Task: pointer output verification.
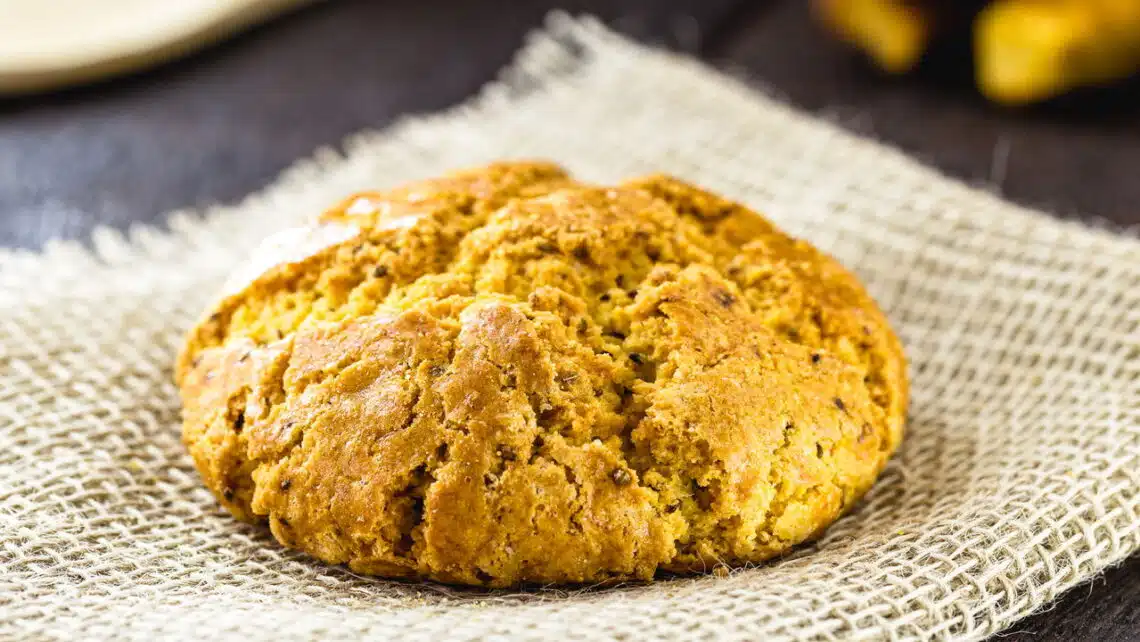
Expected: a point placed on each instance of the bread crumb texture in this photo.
(505, 376)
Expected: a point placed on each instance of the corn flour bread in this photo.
(505, 376)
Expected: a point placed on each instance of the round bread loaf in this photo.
(506, 376)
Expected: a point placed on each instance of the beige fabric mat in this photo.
(1020, 477)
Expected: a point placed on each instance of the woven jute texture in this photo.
(1019, 478)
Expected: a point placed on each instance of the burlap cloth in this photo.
(1020, 476)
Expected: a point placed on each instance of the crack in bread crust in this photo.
(508, 377)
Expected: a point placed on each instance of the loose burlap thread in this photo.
(1018, 479)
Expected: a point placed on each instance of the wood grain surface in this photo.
(223, 123)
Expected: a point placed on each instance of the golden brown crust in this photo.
(505, 376)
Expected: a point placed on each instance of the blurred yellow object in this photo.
(893, 32)
(1029, 50)
(1025, 51)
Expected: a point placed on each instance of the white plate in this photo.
(46, 44)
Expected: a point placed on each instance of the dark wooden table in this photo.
(223, 123)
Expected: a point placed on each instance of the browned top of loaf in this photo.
(505, 376)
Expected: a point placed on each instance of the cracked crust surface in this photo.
(505, 376)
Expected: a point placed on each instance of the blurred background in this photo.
(113, 112)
